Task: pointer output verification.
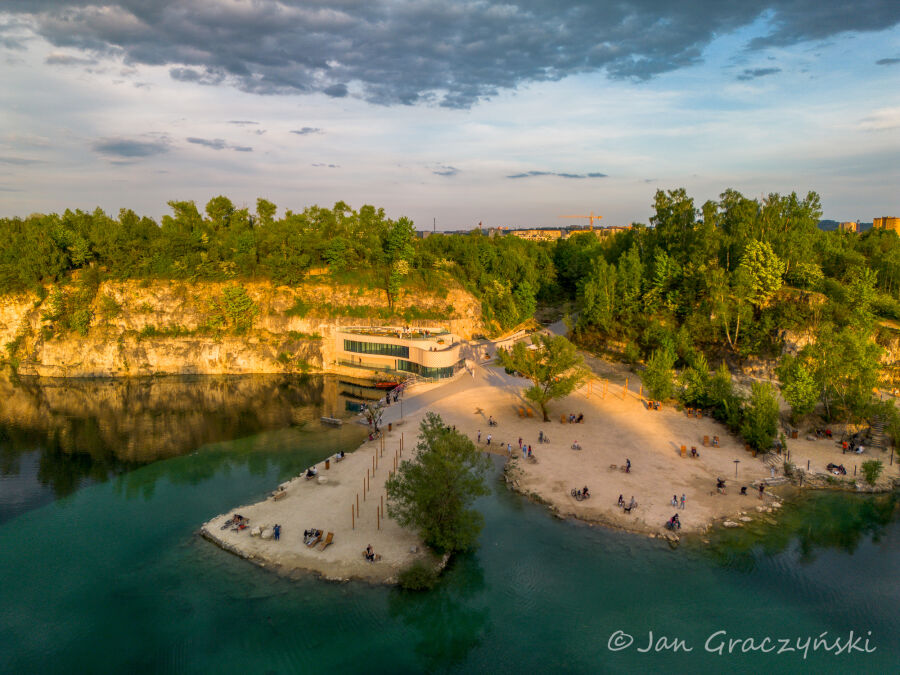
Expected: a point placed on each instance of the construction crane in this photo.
(590, 218)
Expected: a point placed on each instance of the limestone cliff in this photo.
(134, 328)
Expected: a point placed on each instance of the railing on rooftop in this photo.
(396, 333)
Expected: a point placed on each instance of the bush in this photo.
(872, 470)
(299, 308)
(418, 577)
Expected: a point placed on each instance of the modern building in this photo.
(887, 223)
(428, 353)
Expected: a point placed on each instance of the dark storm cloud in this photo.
(218, 144)
(887, 62)
(129, 148)
(306, 131)
(753, 73)
(410, 51)
(533, 174)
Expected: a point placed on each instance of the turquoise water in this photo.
(113, 578)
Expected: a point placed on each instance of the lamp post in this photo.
(736, 462)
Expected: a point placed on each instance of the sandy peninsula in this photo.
(617, 427)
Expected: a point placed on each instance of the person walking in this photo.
(488, 439)
(524, 451)
(683, 497)
(627, 465)
(520, 442)
(762, 486)
(509, 448)
(674, 500)
(479, 436)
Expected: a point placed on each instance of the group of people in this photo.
(583, 493)
(369, 553)
(675, 500)
(674, 523)
(652, 405)
(311, 536)
(573, 419)
(629, 507)
(837, 469)
(237, 522)
(311, 472)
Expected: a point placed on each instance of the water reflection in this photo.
(57, 435)
(815, 521)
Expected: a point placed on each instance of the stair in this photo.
(876, 433)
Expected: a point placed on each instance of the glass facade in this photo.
(424, 371)
(376, 348)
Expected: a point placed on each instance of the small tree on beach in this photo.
(432, 493)
(552, 364)
(658, 376)
(760, 416)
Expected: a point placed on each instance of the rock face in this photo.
(172, 327)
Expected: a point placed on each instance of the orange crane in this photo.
(591, 218)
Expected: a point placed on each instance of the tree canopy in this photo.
(552, 364)
(433, 492)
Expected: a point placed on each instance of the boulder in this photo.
(266, 533)
(322, 480)
(731, 523)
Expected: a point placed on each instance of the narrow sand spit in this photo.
(616, 428)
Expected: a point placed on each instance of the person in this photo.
(479, 435)
(715, 441)
(489, 439)
(370, 553)
(627, 465)
(621, 502)
(491, 421)
(508, 449)
(744, 490)
(683, 497)
(520, 442)
(762, 486)
(580, 418)
(524, 451)
(674, 500)
(631, 505)
(311, 471)
(694, 452)
(676, 522)
(585, 493)
(529, 451)
(720, 485)
(277, 532)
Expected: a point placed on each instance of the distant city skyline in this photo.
(505, 114)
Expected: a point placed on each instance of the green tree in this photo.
(433, 492)
(760, 422)
(658, 377)
(872, 470)
(798, 386)
(397, 251)
(553, 365)
(764, 272)
(598, 297)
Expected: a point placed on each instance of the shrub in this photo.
(418, 577)
(299, 308)
(872, 470)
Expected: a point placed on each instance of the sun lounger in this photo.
(683, 451)
(528, 412)
(328, 540)
(279, 494)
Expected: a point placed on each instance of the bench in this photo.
(280, 494)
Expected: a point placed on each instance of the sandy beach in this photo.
(617, 427)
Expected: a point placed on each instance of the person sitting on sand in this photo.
(631, 505)
(744, 490)
(694, 452)
(311, 471)
(720, 485)
(370, 553)
(715, 441)
(621, 502)
(585, 493)
(580, 418)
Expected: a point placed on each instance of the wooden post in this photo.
(641, 391)
(373, 463)
(352, 518)
(382, 503)
(357, 505)
(364, 488)
(378, 515)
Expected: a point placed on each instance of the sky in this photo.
(452, 113)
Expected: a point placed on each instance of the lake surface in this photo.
(105, 484)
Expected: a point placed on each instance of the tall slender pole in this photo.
(357, 505)
(352, 518)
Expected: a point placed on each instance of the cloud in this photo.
(327, 166)
(56, 59)
(423, 51)
(533, 174)
(242, 123)
(129, 148)
(306, 131)
(883, 119)
(753, 73)
(444, 170)
(218, 144)
(887, 62)
(19, 161)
